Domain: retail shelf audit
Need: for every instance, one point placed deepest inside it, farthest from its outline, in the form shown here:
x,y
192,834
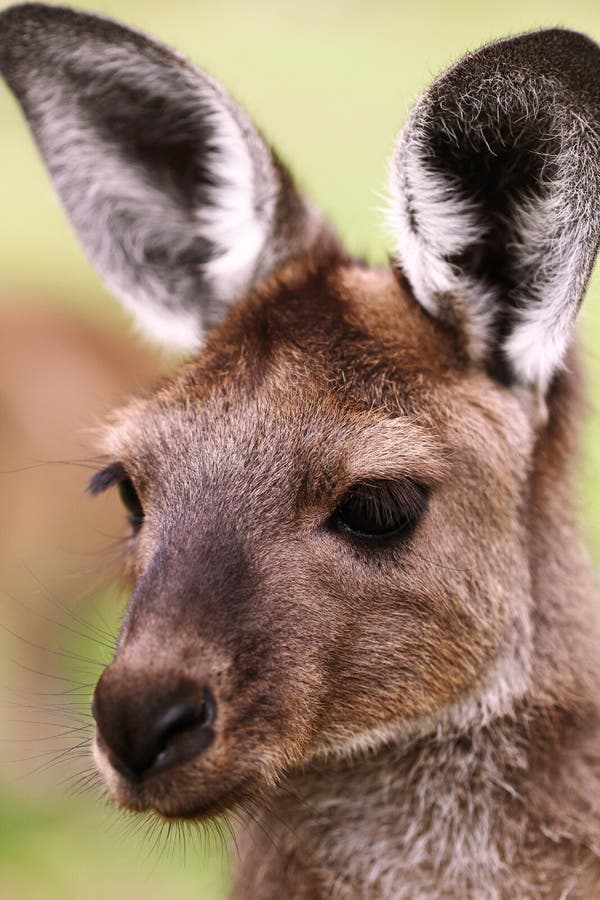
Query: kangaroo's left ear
x,y
495,182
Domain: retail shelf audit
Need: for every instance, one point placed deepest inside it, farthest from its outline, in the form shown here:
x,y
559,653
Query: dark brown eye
x,y
381,508
116,475
132,503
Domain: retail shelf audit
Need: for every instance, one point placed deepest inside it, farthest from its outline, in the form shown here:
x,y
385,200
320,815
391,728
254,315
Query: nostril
x,y
182,717
209,708
184,731
147,733
175,720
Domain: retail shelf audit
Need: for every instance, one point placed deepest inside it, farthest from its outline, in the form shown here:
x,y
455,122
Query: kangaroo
x,y
361,615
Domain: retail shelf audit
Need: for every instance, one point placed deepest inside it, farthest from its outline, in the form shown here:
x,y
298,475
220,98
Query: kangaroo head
x,y
330,505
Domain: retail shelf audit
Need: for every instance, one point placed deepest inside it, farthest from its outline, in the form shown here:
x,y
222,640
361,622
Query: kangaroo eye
x,y
115,475
132,503
381,508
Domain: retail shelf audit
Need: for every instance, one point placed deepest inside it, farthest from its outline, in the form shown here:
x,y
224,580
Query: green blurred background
x,y
330,84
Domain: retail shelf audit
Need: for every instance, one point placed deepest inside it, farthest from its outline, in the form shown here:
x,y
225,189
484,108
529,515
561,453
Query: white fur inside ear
x,y
551,228
432,222
177,329
237,221
543,329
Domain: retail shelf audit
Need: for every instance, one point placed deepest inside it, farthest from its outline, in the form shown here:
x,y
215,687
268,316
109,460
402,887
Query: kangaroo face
x,y
303,579
330,504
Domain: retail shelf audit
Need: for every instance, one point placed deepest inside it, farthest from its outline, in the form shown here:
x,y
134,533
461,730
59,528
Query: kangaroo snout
x,y
146,725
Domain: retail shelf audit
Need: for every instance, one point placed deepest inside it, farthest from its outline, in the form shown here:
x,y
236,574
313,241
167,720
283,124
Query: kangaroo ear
x,y
495,182
175,196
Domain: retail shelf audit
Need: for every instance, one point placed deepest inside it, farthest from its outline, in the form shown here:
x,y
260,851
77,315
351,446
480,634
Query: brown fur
x,y
314,646
408,709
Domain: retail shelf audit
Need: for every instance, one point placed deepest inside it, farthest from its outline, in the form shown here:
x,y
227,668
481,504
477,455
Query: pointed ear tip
x,y
551,36
22,12
19,13
569,34
22,22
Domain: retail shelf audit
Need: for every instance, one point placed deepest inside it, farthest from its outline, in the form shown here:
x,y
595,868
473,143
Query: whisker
x,y
231,830
295,796
40,463
60,653
67,712
48,737
70,752
247,807
52,675
106,640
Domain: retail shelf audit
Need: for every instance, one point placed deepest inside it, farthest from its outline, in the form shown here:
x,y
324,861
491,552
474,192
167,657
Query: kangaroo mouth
x,y
202,812
207,809
185,793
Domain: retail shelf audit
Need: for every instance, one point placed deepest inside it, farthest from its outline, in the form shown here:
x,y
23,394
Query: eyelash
x,y
115,474
375,511
132,503
380,510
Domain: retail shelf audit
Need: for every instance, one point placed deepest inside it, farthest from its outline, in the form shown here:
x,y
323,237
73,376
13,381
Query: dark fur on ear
x,y
496,197
176,197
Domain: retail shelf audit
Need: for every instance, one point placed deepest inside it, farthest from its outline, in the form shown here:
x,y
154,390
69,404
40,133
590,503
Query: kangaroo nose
x,y
147,728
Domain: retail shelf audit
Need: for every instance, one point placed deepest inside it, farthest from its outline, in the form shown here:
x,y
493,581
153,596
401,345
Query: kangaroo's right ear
x,y
177,199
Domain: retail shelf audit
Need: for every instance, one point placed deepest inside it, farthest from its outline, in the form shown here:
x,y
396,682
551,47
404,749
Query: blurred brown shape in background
x,y
59,378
